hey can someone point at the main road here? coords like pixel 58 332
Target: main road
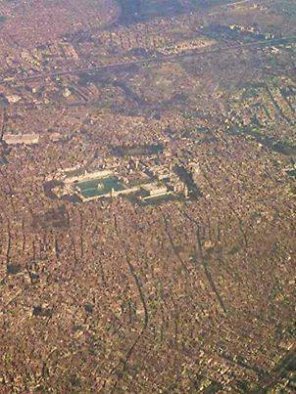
pixel 113 67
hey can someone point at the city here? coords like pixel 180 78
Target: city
pixel 147 196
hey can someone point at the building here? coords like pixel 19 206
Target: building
pixel 21 139
pixel 154 190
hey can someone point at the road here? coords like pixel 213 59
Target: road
pixel 113 67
